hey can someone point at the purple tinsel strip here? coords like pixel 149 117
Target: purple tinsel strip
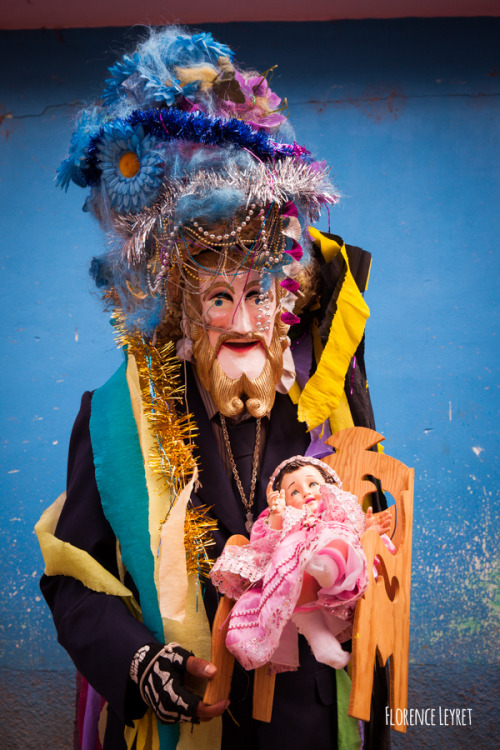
pixel 93 708
pixel 290 209
pixel 352 374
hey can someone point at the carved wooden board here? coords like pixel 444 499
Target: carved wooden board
pixel 382 618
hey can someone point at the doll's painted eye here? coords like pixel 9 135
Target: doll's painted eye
pixel 218 302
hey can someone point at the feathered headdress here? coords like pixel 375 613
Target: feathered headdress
pixel 183 153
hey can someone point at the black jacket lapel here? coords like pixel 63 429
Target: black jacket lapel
pixel 215 489
pixel 286 437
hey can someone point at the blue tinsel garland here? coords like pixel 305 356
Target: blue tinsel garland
pixel 173 124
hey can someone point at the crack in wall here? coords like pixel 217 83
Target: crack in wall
pixel 394 95
pixel 314 102
pixel 31 115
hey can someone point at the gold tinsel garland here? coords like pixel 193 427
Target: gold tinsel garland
pixel 172 459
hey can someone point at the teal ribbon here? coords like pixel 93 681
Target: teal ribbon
pixel 119 471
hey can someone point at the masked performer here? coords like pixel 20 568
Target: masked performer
pixel 240 329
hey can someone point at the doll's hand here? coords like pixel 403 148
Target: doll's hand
pixel 275 499
pixel 381 523
pixel 276 503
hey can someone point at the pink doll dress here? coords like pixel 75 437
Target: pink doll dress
pixel 266 576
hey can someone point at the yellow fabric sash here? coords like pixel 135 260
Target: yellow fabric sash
pixel 62 558
pixel 324 393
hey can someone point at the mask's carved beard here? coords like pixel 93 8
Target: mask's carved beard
pixel 232 396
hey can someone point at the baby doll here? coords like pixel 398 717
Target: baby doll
pixel 303 570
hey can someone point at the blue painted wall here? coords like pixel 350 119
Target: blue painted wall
pixel 407 113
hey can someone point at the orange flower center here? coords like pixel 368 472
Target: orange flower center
pixel 129 164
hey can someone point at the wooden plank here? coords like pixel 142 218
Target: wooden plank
pixel 219 687
pixel 263 694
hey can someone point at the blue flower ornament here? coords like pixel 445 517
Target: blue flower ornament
pixel 73 168
pixel 131 166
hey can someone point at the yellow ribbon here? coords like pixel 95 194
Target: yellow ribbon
pixel 324 391
pixel 144 733
pixel 62 558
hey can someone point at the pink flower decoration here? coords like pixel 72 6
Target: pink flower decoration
pixel 289 318
pixel 290 284
pixel 295 251
pixel 290 209
pixel 299 150
pixel 259 114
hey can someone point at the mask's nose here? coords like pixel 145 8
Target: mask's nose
pixel 242 321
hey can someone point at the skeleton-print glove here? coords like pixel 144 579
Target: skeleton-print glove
pixel 159 671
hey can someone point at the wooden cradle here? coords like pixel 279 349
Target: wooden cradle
pixel 381 627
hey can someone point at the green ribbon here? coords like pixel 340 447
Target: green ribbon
pixel 347 728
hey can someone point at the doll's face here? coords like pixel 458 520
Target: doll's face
pixel 303 487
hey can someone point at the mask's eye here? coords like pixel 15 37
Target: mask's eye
pixel 253 297
pixel 218 299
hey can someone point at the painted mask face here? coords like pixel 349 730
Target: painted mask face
pixel 238 341
pixel 239 324
pixel 302 487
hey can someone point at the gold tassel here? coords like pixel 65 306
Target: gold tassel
pixel 172 459
pixel 198 530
